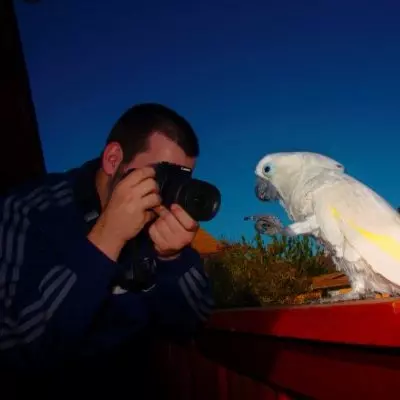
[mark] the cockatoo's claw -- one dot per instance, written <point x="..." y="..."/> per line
<point x="267" y="224"/>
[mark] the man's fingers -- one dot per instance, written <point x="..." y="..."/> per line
<point x="161" y="210"/>
<point x="177" y="214"/>
<point x="149" y="185"/>
<point x="166" y="230"/>
<point x="138" y="175"/>
<point x="184" y="218"/>
<point x="157" y="237"/>
<point x="170" y="219"/>
<point x="151" y="201"/>
<point x="149" y="216"/>
<point x="168" y="233"/>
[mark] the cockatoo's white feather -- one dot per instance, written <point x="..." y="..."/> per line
<point x="358" y="227"/>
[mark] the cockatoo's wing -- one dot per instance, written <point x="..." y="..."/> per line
<point x="351" y="215"/>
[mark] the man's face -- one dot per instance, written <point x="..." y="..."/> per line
<point x="160" y="149"/>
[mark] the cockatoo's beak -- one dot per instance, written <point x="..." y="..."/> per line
<point x="265" y="190"/>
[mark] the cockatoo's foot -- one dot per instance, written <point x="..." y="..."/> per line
<point x="267" y="224"/>
<point x="352" y="295"/>
<point x="340" y="297"/>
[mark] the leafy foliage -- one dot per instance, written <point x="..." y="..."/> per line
<point x="252" y="273"/>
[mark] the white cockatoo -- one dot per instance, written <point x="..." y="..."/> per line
<point x="357" y="227"/>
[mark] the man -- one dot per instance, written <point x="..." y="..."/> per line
<point x="62" y="244"/>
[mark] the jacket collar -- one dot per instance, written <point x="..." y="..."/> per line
<point x="85" y="191"/>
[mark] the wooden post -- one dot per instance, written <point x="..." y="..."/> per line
<point x="21" y="156"/>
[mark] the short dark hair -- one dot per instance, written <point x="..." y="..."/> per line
<point x="135" y="126"/>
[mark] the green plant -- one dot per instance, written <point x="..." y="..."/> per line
<point x="251" y="273"/>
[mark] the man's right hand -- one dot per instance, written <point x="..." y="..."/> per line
<point x="127" y="212"/>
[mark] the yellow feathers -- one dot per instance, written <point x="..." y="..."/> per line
<point x="386" y="243"/>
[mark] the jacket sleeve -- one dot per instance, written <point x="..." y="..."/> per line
<point x="46" y="307"/>
<point x="181" y="301"/>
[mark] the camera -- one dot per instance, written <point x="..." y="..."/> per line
<point x="200" y="199"/>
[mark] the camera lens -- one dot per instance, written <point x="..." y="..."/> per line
<point x="200" y="199"/>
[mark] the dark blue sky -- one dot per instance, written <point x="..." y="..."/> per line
<point x="253" y="77"/>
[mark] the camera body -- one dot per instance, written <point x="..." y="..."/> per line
<point x="200" y="199"/>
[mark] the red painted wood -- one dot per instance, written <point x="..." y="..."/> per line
<point x="241" y="387"/>
<point x="374" y="322"/>
<point x="341" y="351"/>
<point x="209" y="379"/>
<point x="311" y="369"/>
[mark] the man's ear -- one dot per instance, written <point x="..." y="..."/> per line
<point x="112" y="158"/>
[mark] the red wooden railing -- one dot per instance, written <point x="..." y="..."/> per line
<point x="341" y="351"/>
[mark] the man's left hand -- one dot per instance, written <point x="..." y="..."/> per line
<point x="173" y="230"/>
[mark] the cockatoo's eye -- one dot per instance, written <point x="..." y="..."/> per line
<point x="267" y="169"/>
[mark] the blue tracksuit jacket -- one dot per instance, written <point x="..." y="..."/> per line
<point x="56" y="289"/>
